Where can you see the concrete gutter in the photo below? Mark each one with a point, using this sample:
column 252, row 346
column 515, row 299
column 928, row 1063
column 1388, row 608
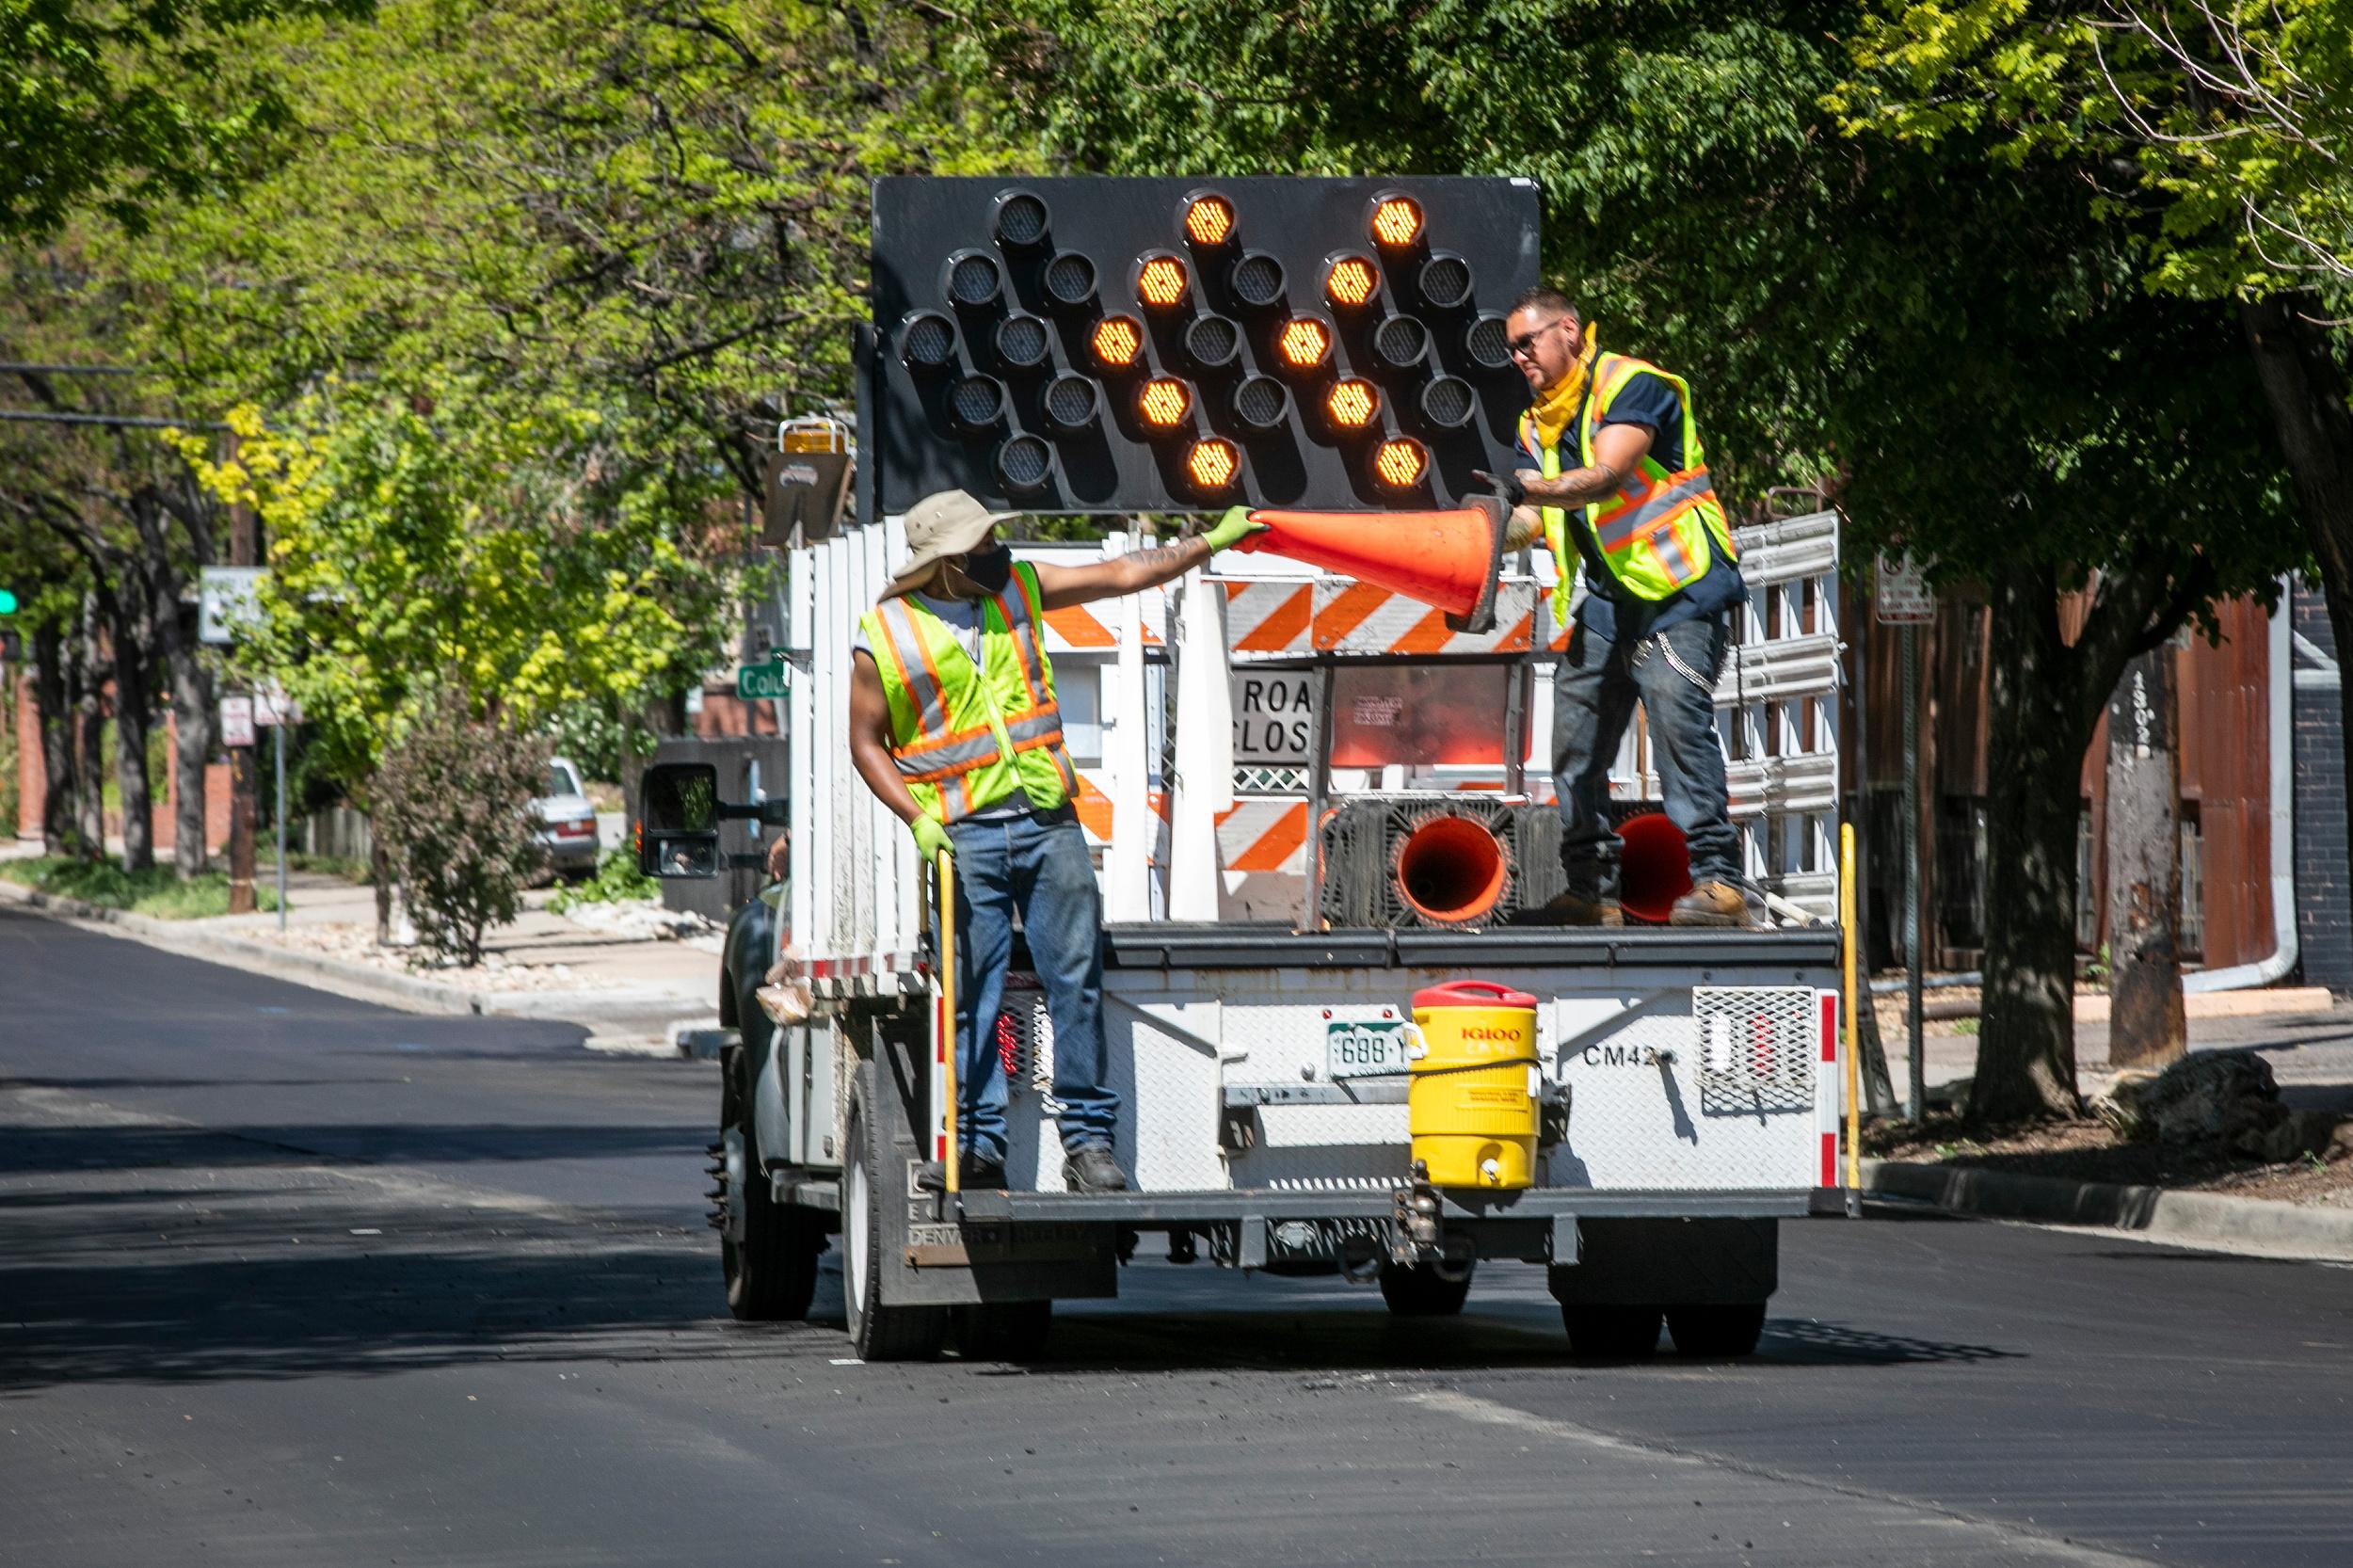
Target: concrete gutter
column 2159, row 1214
column 638, row 1012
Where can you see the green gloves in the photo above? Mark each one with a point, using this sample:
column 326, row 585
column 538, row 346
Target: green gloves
column 930, row 839
column 1234, row 527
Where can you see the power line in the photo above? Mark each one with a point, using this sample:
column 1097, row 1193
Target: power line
column 16, row 368
column 27, row 416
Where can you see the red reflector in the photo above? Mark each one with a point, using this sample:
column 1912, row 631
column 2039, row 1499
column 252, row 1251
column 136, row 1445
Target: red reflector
column 1830, row 1159
column 1829, row 1026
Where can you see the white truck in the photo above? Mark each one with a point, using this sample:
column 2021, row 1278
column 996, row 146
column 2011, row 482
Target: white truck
column 1257, row 973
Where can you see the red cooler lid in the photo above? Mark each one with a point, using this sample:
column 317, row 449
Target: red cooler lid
column 1472, row 993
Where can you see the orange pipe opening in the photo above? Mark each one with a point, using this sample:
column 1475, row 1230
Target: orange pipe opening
column 1654, row 867
column 1451, row 869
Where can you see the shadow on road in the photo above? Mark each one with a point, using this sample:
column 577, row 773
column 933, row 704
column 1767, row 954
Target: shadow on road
column 27, row 1150
column 271, row 1286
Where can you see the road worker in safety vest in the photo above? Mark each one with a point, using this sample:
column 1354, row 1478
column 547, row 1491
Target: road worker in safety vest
column 1620, row 494
column 953, row 725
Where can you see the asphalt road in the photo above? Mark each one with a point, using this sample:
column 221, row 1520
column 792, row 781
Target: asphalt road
column 286, row 1278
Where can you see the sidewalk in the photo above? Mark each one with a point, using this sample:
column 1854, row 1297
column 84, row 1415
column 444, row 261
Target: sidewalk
column 624, row 987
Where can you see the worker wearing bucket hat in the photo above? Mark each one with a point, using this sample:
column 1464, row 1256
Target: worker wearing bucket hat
column 954, row 726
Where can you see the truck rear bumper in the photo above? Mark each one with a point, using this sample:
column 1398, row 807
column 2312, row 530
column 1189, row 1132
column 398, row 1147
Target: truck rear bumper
column 1236, row 1205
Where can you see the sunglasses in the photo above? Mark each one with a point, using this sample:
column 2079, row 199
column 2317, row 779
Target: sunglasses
column 1524, row 345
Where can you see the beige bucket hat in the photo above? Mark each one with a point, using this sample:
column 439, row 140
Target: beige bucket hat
column 941, row 525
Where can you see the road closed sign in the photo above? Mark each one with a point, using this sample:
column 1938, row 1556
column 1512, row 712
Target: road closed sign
column 1275, row 718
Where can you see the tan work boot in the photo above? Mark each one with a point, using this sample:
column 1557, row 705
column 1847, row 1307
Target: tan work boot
column 1716, row 903
column 1576, row 908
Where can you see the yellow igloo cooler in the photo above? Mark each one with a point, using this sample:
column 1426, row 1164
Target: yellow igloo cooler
column 1472, row 1104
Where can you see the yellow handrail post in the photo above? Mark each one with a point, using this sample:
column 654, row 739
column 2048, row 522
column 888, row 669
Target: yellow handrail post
column 1846, row 943
column 953, row 1161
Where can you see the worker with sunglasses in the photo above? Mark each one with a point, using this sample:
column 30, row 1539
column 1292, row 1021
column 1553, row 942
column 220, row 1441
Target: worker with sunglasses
column 1621, row 492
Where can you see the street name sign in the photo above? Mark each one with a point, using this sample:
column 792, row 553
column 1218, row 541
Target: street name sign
column 753, row 682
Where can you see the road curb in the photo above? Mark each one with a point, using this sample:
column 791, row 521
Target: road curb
column 616, row 1014
column 2190, row 1218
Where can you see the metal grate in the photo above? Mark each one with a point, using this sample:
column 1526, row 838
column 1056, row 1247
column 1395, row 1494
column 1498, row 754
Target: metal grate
column 1257, row 279
column 1401, row 341
column 975, row 279
column 1487, row 344
column 1445, row 282
column 1070, row 401
column 1758, row 1048
column 1447, row 402
column 1260, row 401
column 1070, row 278
column 1278, row 781
column 1021, row 342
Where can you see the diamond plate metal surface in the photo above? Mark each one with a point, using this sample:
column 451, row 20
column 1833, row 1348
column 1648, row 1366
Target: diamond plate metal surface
column 1758, row 1046
column 1639, row 1117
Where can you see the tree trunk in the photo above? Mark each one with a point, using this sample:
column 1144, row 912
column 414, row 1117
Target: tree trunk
column 2146, row 1025
column 2306, row 391
column 134, row 717
column 54, row 707
column 191, row 749
column 87, row 679
column 2033, row 760
column 380, row 873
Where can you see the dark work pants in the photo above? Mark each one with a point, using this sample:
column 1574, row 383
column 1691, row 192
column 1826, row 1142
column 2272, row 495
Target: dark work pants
column 1673, row 674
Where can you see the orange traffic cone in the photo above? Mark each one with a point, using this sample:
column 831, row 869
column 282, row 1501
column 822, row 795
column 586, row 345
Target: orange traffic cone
column 1447, row 560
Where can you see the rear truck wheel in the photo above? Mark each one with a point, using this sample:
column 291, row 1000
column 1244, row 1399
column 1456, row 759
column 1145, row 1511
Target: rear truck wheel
column 879, row 1330
column 1004, row 1331
column 1715, row 1332
column 767, row 1250
column 1611, row 1333
column 1418, row 1290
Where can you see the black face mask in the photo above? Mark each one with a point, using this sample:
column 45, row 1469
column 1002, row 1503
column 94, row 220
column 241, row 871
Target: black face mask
column 988, row 570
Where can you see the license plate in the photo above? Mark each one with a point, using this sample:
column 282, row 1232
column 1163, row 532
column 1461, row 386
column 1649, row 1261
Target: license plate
column 1364, row 1048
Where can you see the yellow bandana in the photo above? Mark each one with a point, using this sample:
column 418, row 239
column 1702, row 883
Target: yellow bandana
column 1556, row 405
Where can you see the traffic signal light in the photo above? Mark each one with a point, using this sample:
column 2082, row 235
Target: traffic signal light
column 1088, row 344
column 7, row 602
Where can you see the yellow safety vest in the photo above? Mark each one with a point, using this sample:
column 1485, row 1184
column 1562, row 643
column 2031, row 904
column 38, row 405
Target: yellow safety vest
column 1657, row 532
column 966, row 737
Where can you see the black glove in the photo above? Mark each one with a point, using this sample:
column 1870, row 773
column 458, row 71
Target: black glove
column 1506, row 485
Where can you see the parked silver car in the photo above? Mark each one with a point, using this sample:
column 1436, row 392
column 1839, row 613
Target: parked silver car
column 567, row 821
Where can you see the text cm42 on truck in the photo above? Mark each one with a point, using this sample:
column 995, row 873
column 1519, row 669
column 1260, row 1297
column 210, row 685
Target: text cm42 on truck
column 1341, row 1034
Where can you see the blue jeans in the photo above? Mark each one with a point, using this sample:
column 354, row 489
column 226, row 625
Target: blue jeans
column 1672, row 673
column 1043, row 872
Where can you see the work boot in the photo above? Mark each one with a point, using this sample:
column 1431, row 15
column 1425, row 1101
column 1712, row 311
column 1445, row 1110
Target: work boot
column 1578, row 908
column 1093, row 1169
column 980, row 1174
column 1717, row 903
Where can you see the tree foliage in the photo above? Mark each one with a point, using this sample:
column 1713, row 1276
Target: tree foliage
column 125, row 105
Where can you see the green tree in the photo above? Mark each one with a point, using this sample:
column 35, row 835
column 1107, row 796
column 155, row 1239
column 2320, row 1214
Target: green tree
column 457, row 540
column 126, row 104
column 1952, row 341
column 2214, row 131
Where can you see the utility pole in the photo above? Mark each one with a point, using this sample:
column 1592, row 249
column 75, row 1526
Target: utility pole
column 2144, row 856
column 245, row 549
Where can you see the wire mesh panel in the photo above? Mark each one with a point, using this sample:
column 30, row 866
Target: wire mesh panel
column 1758, row 1046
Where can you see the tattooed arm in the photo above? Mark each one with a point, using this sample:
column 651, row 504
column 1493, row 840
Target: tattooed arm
column 1063, row 586
column 1616, row 449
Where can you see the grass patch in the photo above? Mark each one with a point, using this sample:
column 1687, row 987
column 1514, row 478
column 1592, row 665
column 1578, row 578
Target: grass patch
column 617, row 881
column 157, row 891
column 353, row 872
